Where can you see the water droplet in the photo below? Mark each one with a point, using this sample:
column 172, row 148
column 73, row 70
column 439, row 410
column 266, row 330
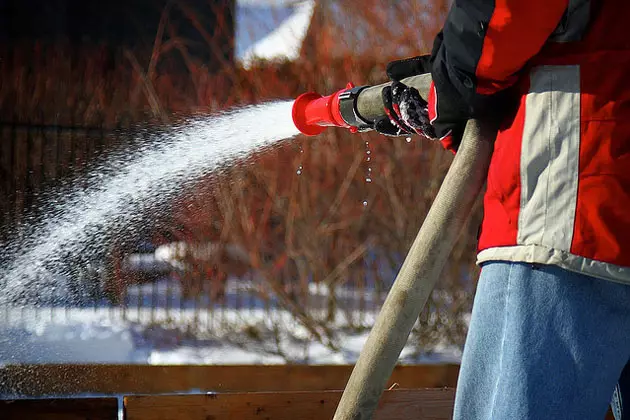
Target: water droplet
column 368, row 172
column 408, row 139
column 300, row 168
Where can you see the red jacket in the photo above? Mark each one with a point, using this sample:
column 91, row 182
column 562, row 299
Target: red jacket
column 558, row 188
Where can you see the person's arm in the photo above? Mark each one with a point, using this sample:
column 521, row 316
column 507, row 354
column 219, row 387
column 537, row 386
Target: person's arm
column 480, row 51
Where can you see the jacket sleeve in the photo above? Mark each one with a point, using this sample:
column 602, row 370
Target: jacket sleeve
column 479, row 52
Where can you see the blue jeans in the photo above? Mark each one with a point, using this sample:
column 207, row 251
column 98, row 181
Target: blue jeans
column 621, row 398
column 543, row 343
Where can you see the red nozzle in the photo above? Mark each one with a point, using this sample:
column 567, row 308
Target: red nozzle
column 313, row 112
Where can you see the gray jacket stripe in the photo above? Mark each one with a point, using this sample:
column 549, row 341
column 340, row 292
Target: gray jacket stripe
column 550, row 158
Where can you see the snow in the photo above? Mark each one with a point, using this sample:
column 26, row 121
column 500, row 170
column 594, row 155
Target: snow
column 159, row 326
column 271, row 29
column 41, row 335
column 150, row 336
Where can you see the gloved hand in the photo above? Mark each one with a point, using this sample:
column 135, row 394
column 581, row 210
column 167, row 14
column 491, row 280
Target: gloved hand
column 407, row 112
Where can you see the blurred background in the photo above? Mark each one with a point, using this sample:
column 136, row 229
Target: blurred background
column 283, row 257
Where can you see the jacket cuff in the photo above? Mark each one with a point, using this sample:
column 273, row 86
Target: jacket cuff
column 445, row 138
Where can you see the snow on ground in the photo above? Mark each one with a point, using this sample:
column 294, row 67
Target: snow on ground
column 161, row 327
column 146, row 336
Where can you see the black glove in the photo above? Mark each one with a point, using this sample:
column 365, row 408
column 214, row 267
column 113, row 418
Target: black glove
column 407, row 112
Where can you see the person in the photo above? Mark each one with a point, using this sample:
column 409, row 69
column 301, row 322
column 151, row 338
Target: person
column 549, row 333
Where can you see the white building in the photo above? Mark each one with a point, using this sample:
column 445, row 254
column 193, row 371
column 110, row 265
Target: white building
column 271, row 29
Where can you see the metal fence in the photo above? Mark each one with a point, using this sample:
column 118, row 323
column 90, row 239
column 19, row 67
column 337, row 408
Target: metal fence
column 35, row 157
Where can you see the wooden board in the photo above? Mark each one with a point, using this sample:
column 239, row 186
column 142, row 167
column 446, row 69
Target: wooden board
column 417, row 404
column 40, row 380
column 60, row 409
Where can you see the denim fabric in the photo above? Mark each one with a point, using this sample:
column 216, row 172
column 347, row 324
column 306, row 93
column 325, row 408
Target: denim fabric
column 621, row 398
column 543, row 343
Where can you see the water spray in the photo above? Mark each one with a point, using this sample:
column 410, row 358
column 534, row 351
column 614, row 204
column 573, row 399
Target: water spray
column 355, row 108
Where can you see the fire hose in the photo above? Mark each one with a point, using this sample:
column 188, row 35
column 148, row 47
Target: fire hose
column 354, row 108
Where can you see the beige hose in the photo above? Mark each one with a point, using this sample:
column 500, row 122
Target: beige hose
column 423, row 264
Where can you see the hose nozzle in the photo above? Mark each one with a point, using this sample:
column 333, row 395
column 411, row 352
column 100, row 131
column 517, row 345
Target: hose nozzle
column 355, row 108
column 312, row 112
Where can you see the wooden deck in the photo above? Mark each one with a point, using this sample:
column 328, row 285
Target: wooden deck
column 309, row 405
column 43, row 380
column 214, row 392
column 60, row 409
